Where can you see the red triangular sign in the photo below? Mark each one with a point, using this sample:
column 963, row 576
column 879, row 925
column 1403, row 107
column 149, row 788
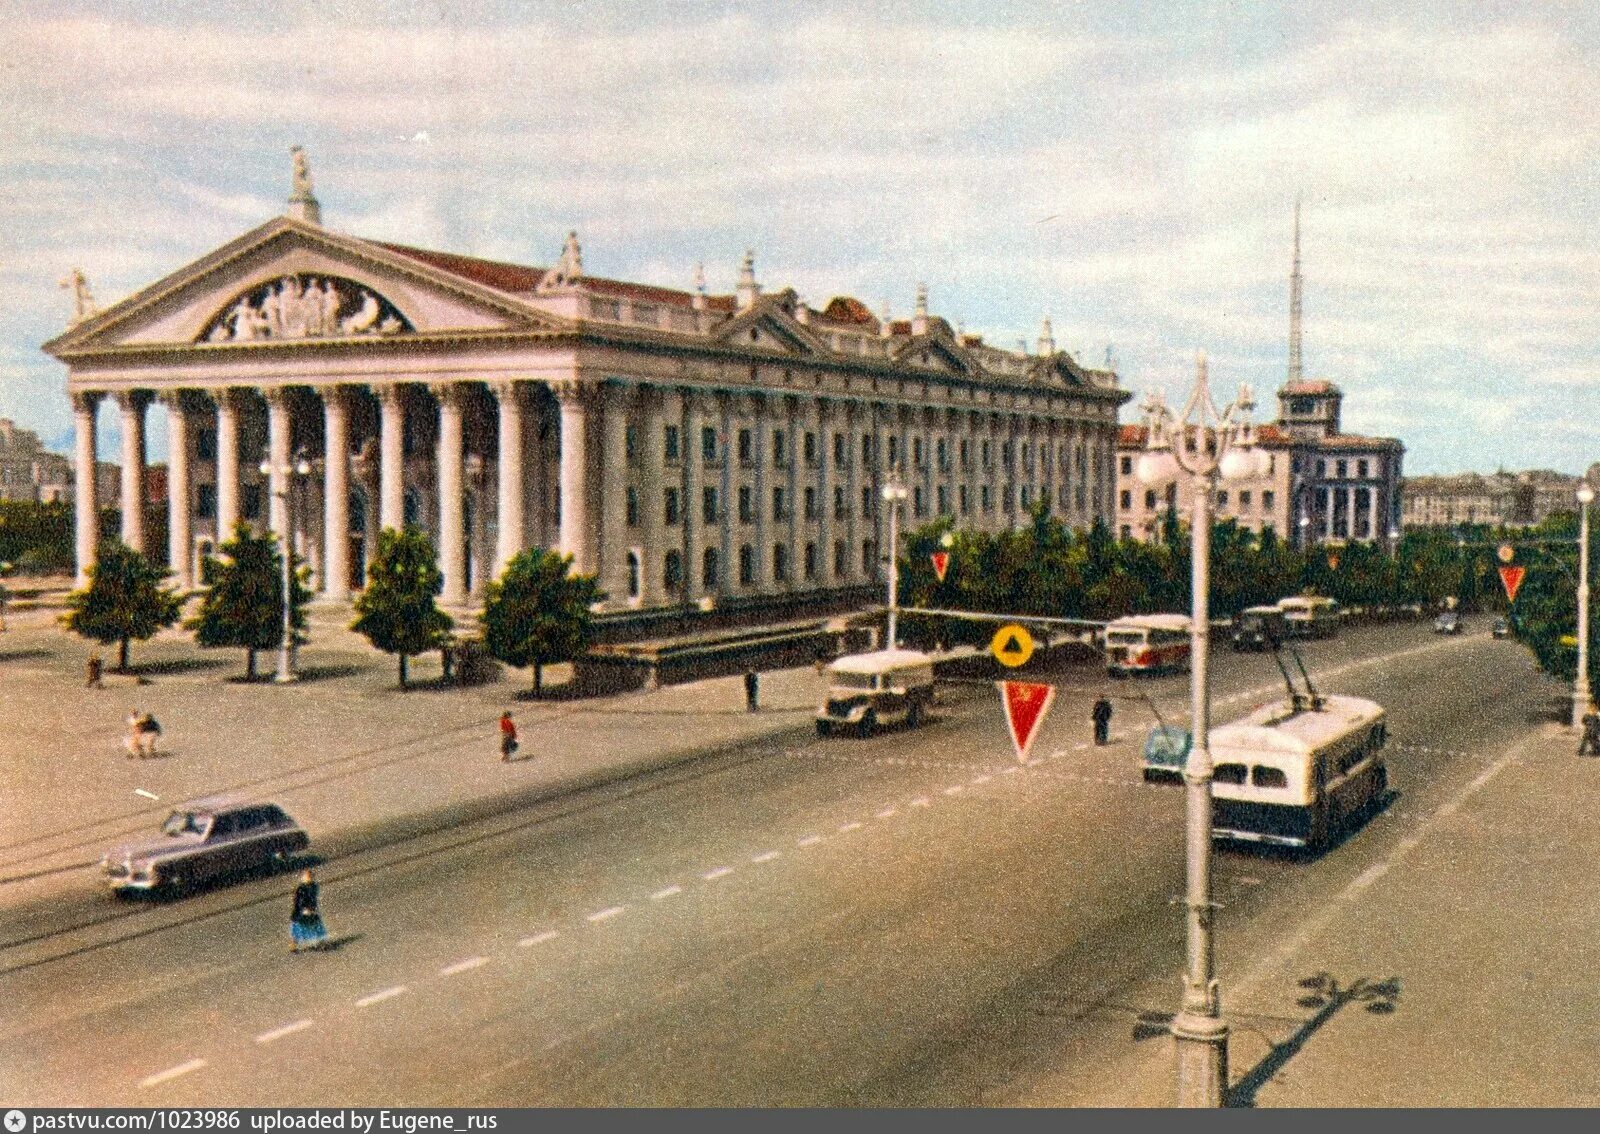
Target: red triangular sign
column 1027, row 704
column 941, row 564
column 1512, row 578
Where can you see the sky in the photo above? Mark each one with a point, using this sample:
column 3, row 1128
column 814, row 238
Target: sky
column 1127, row 169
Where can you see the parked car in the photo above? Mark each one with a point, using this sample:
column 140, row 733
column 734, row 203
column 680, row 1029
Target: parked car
column 1166, row 752
column 1502, row 628
column 1258, row 628
column 204, row 844
column 883, row 687
column 1447, row 623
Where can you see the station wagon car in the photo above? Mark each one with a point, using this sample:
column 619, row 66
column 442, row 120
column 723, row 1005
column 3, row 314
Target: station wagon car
column 199, row 845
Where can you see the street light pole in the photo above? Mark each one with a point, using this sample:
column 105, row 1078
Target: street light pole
column 298, row 467
column 1202, row 441
column 1580, row 687
column 893, row 493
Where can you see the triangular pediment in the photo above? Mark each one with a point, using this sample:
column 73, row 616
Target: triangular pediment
column 766, row 326
column 933, row 352
column 291, row 281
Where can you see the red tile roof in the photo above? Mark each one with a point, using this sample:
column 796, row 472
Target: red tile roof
column 849, row 309
column 672, row 297
column 1310, row 386
column 489, row 273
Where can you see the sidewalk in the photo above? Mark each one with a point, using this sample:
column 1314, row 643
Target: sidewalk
column 1458, row 970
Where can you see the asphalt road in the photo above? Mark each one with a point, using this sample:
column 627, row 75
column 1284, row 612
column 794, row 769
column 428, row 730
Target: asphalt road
column 910, row 919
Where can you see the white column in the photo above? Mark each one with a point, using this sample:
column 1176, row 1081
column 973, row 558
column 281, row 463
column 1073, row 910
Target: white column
column 85, row 488
column 855, row 471
column 651, row 484
column 180, row 504
column 728, row 572
column 614, row 495
column 391, row 459
column 694, row 544
column 279, row 430
column 452, row 521
column 133, row 403
column 336, row 494
column 793, row 489
column 227, row 463
column 575, row 400
column 510, row 510
column 760, row 423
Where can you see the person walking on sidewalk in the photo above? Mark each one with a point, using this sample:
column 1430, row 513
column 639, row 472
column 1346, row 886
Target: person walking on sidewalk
column 1102, row 721
column 306, row 930
column 143, row 730
column 94, row 672
column 1589, row 742
column 508, row 736
column 752, row 690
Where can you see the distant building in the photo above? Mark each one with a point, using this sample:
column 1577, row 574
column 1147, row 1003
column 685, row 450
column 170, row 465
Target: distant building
column 1514, row 499
column 1322, row 485
column 28, row 471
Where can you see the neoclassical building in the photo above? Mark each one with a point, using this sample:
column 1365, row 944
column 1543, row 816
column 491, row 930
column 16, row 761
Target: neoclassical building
column 685, row 446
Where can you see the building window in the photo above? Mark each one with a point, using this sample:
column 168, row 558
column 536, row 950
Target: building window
column 780, row 447
column 866, row 449
column 866, row 557
column 779, row 511
column 961, row 499
column 1267, row 499
column 633, row 507
column 867, row 502
column 250, row 501
column 1006, row 498
column 1127, row 466
column 633, row 575
column 917, row 503
column 708, row 444
column 944, row 501
column 839, row 563
column 780, row 563
column 985, row 501
column 708, row 504
column 840, row 456
column 1322, row 468
column 1027, row 455
column 669, row 443
column 838, row 502
column 1244, row 500
column 205, row 502
column 672, row 571
column 205, row 446
column 987, row 454
column 669, row 506
column 916, row 451
column 810, row 444
column 809, row 502
column 1222, row 498
column 1027, row 497
column 1125, row 501
column 710, row 569
column 746, row 513
column 747, row 565
column 1149, row 499
column 630, row 445
column 811, row 561
column 1339, row 470
column 1361, row 469
column 746, row 454
column 1006, row 453
column 1301, row 406
column 966, row 453
column 941, row 452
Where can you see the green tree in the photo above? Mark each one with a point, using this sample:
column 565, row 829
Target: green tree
column 242, row 606
column 123, row 601
column 396, row 612
column 537, row 612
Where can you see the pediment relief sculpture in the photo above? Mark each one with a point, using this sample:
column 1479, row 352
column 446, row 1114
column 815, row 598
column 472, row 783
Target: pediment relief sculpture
column 306, row 307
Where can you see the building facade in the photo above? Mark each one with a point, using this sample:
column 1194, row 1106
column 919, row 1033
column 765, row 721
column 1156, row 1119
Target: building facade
column 1501, row 498
column 684, row 446
column 29, row 471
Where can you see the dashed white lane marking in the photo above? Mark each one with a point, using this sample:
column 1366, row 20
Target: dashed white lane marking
column 538, row 939
column 1368, row 876
column 850, row 826
column 669, row 892
column 983, row 779
column 809, row 841
column 886, row 813
column 766, row 856
column 955, row 789
column 1009, row 771
column 172, row 1073
column 1080, row 746
column 287, row 1030
column 605, row 914
column 719, row 872
column 380, row 997
column 464, row 966
column 922, row 801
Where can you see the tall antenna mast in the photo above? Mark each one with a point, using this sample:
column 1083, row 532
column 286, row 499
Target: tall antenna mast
column 1294, row 301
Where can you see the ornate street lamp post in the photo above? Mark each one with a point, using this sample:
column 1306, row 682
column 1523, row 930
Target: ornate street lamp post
column 1204, row 442
column 894, row 493
column 299, row 467
column 1580, row 687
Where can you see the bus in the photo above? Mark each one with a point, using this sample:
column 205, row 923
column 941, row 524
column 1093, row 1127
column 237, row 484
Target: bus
column 1147, row 643
column 1310, row 616
column 1296, row 773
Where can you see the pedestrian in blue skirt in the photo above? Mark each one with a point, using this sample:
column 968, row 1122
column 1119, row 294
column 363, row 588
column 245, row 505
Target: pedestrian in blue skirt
column 306, row 930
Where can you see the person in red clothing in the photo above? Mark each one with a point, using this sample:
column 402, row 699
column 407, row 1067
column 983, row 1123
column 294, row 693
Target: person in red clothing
column 508, row 736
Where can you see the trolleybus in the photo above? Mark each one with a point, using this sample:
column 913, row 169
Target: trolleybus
column 1147, row 643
